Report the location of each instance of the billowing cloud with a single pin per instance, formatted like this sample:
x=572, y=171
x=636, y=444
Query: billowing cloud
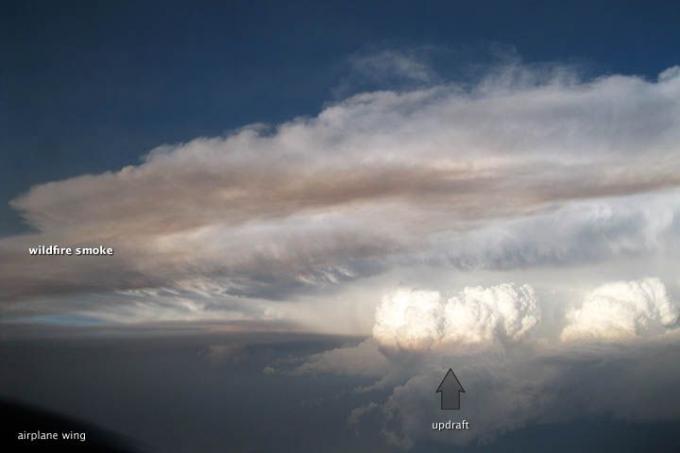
x=409, y=319
x=419, y=334
x=418, y=320
x=479, y=315
x=622, y=310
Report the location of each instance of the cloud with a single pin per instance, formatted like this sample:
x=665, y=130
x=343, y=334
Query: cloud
x=393, y=69
x=409, y=320
x=513, y=381
x=577, y=233
x=355, y=416
x=505, y=393
x=364, y=359
x=622, y=310
x=480, y=315
x=440, y=174
x=413, y=320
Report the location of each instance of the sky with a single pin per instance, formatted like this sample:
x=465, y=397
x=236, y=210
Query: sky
x=494, y=186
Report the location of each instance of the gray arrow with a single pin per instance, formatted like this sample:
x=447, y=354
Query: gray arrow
x=450, y=390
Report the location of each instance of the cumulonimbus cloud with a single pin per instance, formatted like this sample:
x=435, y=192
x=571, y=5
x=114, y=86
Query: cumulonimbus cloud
x=554, y=379
x=409, y=319
x=415, y=320
x=478, y=314
x=622, y=310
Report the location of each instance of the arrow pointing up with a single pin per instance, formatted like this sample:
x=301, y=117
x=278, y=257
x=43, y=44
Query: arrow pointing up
x=450, y=390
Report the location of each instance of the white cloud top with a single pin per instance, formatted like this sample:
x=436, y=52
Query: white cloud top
x=479, y=315
x=415, y=320
x=409, y=319
x=622, y=310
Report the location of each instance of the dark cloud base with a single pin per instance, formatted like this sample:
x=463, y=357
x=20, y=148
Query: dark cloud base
x=215, y=393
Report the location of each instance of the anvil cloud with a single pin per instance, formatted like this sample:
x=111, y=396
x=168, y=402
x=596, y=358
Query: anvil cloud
x=526, y=168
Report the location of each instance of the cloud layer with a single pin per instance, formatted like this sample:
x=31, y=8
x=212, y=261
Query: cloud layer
x=526, y=168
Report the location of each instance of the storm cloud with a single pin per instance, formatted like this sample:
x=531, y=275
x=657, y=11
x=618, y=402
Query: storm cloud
x=420, y=320
x=627, y=338
x=524, y=168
